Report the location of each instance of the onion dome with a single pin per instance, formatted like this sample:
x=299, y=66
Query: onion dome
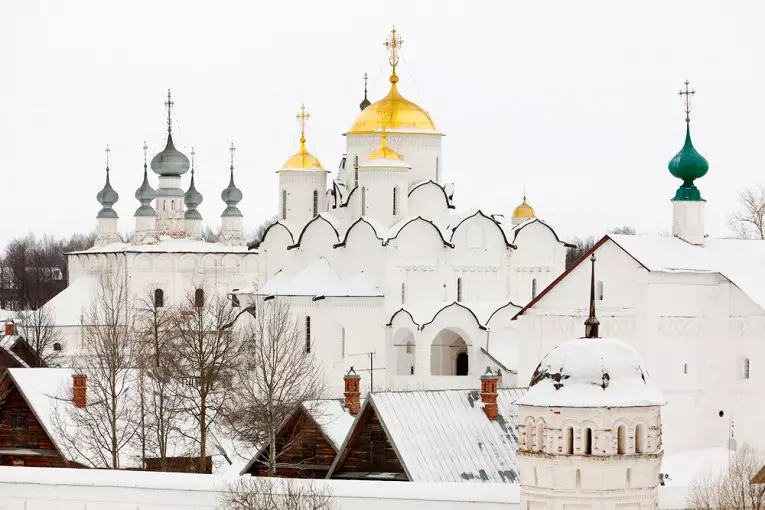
x=366, y=101
x=171, y=161
x=231, y=195
x=384, y=157
x=524, y=211
x=193, y=199
x=688, y=165
x=302, y=161
x=145, y=194
x=107, y=197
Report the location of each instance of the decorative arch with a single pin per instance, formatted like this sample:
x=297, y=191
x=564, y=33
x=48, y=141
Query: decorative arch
x=449, y=353
x=480, y=213
x=280, y=224
x=403, y=313
x=361, y=220
x=420, y=218
x=517, y=230
x=319, y=217
x=432, y=183
x=458, y=305
x=528, y=433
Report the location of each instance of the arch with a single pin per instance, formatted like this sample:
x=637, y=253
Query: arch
x=395, y=200
x=449, y=354
x=308, y=334
x=639, y=438
x=402, y=311
x=284, y=206
x=568, y=441
x=599, y=290
x=533, y=288
x=455, y=304
x=480, y=213
x=459, y=289
x=159, y=298
x=353, y=225
x=587, y=439
x=315, y=202
x=432, y=183
x=540, y=442
x=406, y=351
x=363, y=200
x=199, y=298
x=621, y=440
x=302, y=232
x=517, y=230
x=282, y=225
x=420, y=218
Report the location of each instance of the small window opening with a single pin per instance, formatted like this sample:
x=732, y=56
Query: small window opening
x=395, y=200
x=745, y=373
x=639, y=439
x=685, y=368
x=284, y=204
x=363, y=201
x=172, y=205
x=19, y=421
x=578, y=479
x=307, y=334
x=355, y=171
x=621, y=440
x=411, y=370
x=315, y=202
x=540, y=436
x=459, y=289
x=159, y=298
x=57, y=346
x=533, y=288
x=628, y=478
x=199, y=298
x=342, y=343
x=164, y=205
x=535, y=476
x=588, y=441
x=569, y=441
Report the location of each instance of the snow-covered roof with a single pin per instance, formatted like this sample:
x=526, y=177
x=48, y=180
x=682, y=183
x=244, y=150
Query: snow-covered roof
x=332, y=417
x=166, y=244
x=319, y=279
x=69, y=304
x=445, y=435
x=7, y=343
x=591, y=372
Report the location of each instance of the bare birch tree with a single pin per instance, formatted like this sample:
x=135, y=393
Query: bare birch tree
x=39, y=330
x=206, y=348
x=101, y=430
x=747, y=221
x=730, y=487
x=253, y=493
x=275, y=375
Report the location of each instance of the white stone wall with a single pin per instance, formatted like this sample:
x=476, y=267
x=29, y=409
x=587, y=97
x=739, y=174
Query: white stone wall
x=300, y=188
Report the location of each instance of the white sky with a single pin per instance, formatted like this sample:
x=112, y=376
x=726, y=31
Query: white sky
x=577, y=101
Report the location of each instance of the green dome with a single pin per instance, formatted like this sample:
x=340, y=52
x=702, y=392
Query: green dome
x=688, y=165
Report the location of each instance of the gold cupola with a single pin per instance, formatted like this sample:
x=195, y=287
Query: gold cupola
x=393, y=112
x=383, y=151
x=302, y=161
x=523, y=212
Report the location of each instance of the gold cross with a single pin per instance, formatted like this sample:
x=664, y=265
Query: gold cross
x=302, y=117
x=393, y=43
x=688, y=93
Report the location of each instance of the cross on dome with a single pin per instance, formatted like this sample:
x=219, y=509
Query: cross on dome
x=232, y=150
x=302, y=118
x=169, y=104
x=688, y=94
x=107, y=151
x=393, y=43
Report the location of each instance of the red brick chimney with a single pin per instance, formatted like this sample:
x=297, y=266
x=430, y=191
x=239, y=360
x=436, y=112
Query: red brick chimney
x=489, y=382
x=10, y=328
x=79, y=390
x=352, y=395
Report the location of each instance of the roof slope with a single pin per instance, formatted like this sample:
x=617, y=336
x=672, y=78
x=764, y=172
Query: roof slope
x=319, y=278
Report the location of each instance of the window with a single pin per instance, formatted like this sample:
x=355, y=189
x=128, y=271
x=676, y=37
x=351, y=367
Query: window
x=57, y=346
x=199, y=298
x=685, y=368
x=568, y=446
x=164, y=205
x=410, y=348
x=588, y=441
x=159, y=298
x=284, y=204
x=745, y=372
x=533, y=288
x=315, y=202
x=541, y=436
x=342, y=343
x=19, y=421
x=363, y=201
x=599, y=290
x=411, y=370
x=172, y=205
x=438, y=171
x=621, y=440
x=628, y=478
x=528, y=440
x=639, y=439
x=395, y=196
x=459, y=289
x=307, y=334
x=403, y=293
x=355, y=171
x=578, y=479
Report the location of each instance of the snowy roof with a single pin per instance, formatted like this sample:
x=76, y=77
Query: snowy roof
x=69, y=304
x=8, y=342
x=332, y=418
x=591, y=372
x=319, y=279
x=166, y=244
x=445, y=435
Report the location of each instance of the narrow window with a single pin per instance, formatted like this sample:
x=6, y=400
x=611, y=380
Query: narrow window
x=533, y=288
x=315, y=202
x=363, y=201
x=395, y=196
x=164, y=205
x=199, y=298
x=599, y=290
x=578, y=479
x=535, y=476
x=411, y=370
x=409, y=348
x=459, y=289
x=355, y=171
x=621, y=440
x=438, y=171
x=342, y=343
x=403, y=293
x=746, y=368
x=588, y=441
x=569, y=441
x=639, y=439
x=307, y=334
x=685, y=368
x=159, y=298
x=541, y=436
x=172, y=205
x=284, y=204
x=529, y=440
x=628, y=478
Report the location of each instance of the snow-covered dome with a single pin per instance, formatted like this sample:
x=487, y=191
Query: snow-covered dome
x=591, y=372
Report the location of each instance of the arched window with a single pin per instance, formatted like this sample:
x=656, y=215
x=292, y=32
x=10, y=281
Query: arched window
x=568, y=444
x=308, y=334
x=588, y=441
x=159, y=298
x=284, y=204
x=528, y=443
x=533, y=288
x=745, y=369
x=639, y=438
x=438, y=171
x=459, y=289
x=599, y=290
x=628, y=478
x=578, y=479
x=172, y=205
x=363, y=201
x=199, y=298
x=403, y=293
x=355, y=171
x=685, y=368
x=342, y=343
x=621, y=440
x=315, y=202
x=541, y=436
x=395, y=200
x=164, y=205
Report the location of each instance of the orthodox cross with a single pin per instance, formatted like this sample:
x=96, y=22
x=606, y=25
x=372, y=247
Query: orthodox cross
x=393, y=43
x=688, y=93
x=107, y=151
x=193, y=157
x=232, y=149
x=145, y=152
x=302, y=117
x=169, y=103
x=365, y=85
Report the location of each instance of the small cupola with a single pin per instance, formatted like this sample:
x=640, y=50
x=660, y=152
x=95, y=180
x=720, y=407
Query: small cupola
x=522, y=213
x=170, y=162
x=145, y=193
x=193, y=198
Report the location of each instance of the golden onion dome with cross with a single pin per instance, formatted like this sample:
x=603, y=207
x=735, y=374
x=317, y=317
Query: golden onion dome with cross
x=302, y=160
x=393, y=112
x=524, y=210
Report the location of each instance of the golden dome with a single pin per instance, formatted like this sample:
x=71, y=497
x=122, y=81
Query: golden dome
x=383, y=151
x=394, y=113
x=302, y=161
x=524, y=210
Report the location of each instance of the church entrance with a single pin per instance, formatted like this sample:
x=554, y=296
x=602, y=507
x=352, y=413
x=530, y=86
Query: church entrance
x=449, y=354
x=462, y=363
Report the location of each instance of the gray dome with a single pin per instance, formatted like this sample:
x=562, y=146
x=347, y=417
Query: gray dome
x=107, y=197
x=232, y=196
x=192, y=199
x=145, y=194
x=170, y=161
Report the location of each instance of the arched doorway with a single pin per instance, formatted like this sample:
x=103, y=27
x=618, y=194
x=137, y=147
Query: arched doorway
x=462, y=363
x=449, y=354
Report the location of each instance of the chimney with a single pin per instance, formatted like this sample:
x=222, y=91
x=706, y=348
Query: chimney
x=352, y=394
x=489, y=382
x=10, y=328
x=79, y=390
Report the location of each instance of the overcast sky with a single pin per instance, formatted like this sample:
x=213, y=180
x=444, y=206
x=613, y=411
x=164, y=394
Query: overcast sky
x=575, y=101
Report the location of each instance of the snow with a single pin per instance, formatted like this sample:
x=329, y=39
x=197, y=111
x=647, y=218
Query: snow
x=7, y=343
x=166, y=244
x=332, y=417
x=592, y=372
x=683, y=467
x=319, y=279
x=68, y=305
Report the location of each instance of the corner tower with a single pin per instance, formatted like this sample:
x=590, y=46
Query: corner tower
x=590, y=427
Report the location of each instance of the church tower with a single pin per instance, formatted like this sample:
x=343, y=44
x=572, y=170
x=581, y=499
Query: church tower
x=192, y=219
x=231, y=218
x=107, y=217
x=145, y=216
x=590, y=427
x=302, y=183
x=170, y=165
x=688, y=165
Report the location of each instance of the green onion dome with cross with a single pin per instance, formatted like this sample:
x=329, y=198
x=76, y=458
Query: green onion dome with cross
x=688, y=164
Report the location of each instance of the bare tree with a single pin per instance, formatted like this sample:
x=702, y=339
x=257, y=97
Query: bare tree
x=39, y=330
x=583, y=245
x=730, y=487
x=625, y=230
x=206, y=349
x=105, y=426
x=210, y=234
x=747, y=221
x=275, y=375
x=253, y=493
x=256, y=236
